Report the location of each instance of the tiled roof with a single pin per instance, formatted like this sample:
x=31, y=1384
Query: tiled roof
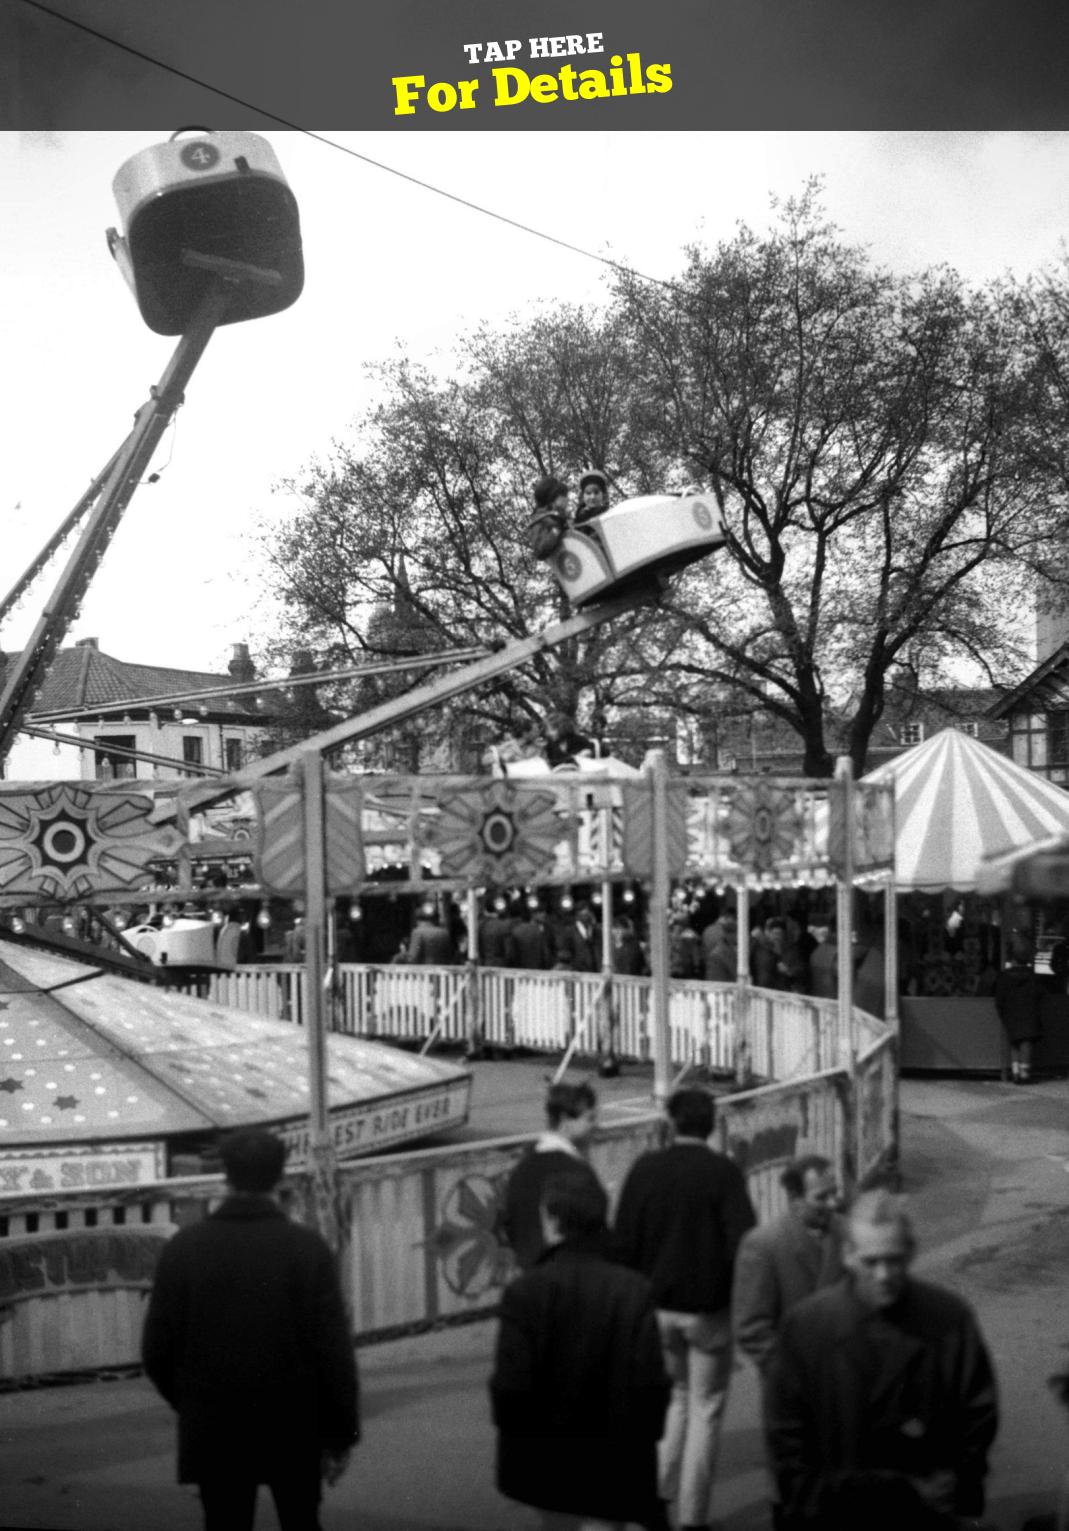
x=84, y=677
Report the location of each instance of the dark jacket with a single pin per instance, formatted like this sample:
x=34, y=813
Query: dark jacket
x=578, y=952
x=909, y=1391
x=519, y=1223
x=682, y=1213
x=530, y=945
x=431, y=946
x=777, y=1265
x=579, y=1390
x=246, y=1337
x=495, y=942
x=1017, y=1000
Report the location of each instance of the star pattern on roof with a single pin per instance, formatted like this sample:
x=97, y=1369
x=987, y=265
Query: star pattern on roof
x=10, y=1085
x=65, y=1102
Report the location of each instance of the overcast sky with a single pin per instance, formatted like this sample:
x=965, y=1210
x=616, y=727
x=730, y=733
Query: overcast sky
x=388, y=264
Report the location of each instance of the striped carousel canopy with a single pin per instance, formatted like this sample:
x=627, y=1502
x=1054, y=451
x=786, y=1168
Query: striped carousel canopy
x=959, y=802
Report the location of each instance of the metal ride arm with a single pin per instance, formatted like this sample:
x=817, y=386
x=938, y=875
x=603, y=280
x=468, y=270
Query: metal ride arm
x=434, y=692
x=127, y=468
x=25, y=580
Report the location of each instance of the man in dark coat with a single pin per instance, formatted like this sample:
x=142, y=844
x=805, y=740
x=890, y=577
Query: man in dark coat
x=681, y=1216
x=1018, y=997
x=246, y=1337
x=578, y=947
x=429, y=944
x=530, y=943
x=578, y=1389
x=571, y=1116
x=880, y=1373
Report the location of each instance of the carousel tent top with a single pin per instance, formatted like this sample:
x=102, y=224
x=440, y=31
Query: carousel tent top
x=86, y=1056
x=958, y=802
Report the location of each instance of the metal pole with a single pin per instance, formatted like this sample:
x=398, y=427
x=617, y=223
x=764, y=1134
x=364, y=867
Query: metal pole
x=844, y=784
x=323, y=1162
x=743, y=1048
x=129, y=463
x=475, y=1019
x=657, y=775
x=609, y=1066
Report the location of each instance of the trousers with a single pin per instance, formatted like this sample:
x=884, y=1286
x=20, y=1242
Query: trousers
x=698, y=1357
x=231, y=1505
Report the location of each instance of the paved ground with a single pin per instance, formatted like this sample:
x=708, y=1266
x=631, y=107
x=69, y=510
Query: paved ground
x=987, y=1166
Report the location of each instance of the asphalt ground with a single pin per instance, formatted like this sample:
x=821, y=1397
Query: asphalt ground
x=987, y=1169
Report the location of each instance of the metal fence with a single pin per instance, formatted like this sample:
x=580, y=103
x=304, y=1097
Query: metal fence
x=771, y=1035
x=423, y=1248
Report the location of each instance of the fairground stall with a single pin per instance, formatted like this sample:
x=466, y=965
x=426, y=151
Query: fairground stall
x=958, y=803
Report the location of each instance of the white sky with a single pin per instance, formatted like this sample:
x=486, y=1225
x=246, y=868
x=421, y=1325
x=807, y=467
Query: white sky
x=388, y=263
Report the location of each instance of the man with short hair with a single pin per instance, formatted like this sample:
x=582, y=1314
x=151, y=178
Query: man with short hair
x=880, y=1373
x=247, y=1338
x=429, y=944
x=682, y=1214
x=571, y=1117
x=789, y=1258
x=578, y=1389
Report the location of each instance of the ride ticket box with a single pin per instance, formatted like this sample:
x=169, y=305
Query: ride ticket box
x=196, y=207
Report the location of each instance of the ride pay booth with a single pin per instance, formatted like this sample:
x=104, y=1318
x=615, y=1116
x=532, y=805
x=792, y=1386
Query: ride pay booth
x=958, y=803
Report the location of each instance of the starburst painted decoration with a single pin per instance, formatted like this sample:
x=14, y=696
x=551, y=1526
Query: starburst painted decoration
x=65, y=841
x=764, y=827
x=497, y=833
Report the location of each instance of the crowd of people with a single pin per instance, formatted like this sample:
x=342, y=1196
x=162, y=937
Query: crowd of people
x=615, y=1347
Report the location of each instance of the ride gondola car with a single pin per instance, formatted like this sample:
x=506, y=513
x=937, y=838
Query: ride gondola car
x=637, y=541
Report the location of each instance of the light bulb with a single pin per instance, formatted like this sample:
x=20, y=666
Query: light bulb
x=263, y=919
x=355, y=911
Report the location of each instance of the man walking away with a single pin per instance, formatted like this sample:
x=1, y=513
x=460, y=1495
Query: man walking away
x=880, y=1373
x=683, y=1211
x=246, y=1337
x=579, y=1390
x=571, y=1116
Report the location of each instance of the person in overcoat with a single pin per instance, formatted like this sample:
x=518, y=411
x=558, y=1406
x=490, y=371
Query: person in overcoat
x=880, y=1372
x=247, y=1339
x=1018, y=996
x=579, y=1390
x=789, y=1258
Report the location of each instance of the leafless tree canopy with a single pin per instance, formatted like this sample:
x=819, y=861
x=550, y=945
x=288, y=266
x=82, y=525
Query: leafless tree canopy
x=889, y=452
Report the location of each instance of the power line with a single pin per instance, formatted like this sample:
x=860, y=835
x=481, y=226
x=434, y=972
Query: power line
x=330, y=143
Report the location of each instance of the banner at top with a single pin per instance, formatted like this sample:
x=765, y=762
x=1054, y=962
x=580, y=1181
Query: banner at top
x=931, y=64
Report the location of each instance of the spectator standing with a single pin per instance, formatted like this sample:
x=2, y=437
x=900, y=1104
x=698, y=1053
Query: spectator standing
x=578, y=947
x=247, y=1339
x=881, y=1372
x=429, y=945
x=495, y=939
x=578, y=1390
x=1018, y=996
x=684, y=947
x=530, y=943
x=682, y=1213
x=571, y=1117
x=628, y=958
x=767, y=968
x=720, y=958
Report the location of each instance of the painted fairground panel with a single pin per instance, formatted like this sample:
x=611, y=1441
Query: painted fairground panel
x=765, y=1129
